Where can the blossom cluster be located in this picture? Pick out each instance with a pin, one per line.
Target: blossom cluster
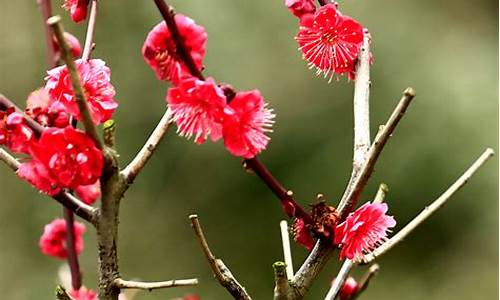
(200, 107)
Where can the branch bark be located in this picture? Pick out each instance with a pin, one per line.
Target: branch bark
(149, 286)
(282, 289)
(46, 11)
(89, 38)
(431, 209)
(74, 265)
(221, 272)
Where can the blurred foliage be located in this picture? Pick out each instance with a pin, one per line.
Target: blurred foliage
(446, 50)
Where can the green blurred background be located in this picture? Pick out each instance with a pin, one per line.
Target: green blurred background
(446, 50)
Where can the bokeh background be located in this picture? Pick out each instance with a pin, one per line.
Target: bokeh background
(446, 50)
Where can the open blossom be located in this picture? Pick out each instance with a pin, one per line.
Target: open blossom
(48, 113)
(160, 52)
(363, 229)
(83, 294)
(77, 9)
(62, 158)
(53, 240)
(95, 78)
(246, 120)
(300, 7)
(330, 41)
(15, 134)
(197, 108)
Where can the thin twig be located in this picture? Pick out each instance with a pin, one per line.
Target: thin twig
(74, 265)
(429, 210)
(90, 128)
(80, 208)
(282, 287)
(89, 38)
(46, 10)
(287, 252)
(382, 191)
(339, 280)
(365, 280)
(149, 286)
(140, 160)
(349, 199)
(168, 15)
(221, 272)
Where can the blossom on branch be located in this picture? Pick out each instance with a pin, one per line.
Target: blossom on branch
(53, 240)
(349, 289)
(15, 134)
(83, 294)
(197, 108)
(161, 54)
(73, 43)
(95, 77)
(330, 41)
(363, 230)
(77, 9)
(245, 122)
(62, 158)
(300, 7)
(302, 234)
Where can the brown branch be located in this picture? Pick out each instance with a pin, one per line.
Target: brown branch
(74, 265)
(168, 14)
(137, 164)
(221, 272)
(46, 11)
(431, 209)
(149, 286)
(282, 289)
(89, 44)
(80, 208)
(90, 129)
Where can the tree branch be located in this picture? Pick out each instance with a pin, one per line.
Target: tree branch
(287, 251)
(46, 10)
(80, 208)
(221, 272)
(149, 286)
(74, 265)
(431, 209)
(140, 160)
(365, 280)
(90, 129)
(282, 287)
(89, 44)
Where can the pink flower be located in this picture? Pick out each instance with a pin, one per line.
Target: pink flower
(160, 52)
(197, 108)
(95, 78)
(72, 42)
(246, 120)
(15, 133)
(77, 9)
(53, 240)
(363, 229)
(300, 7)
(42, 109)
(302, 234)
(89, 193)
(83, 294)
(330, 41)
(62, 158)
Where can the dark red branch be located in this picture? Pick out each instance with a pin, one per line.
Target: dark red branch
(74, 266)
(168, 15)
(286, 199)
